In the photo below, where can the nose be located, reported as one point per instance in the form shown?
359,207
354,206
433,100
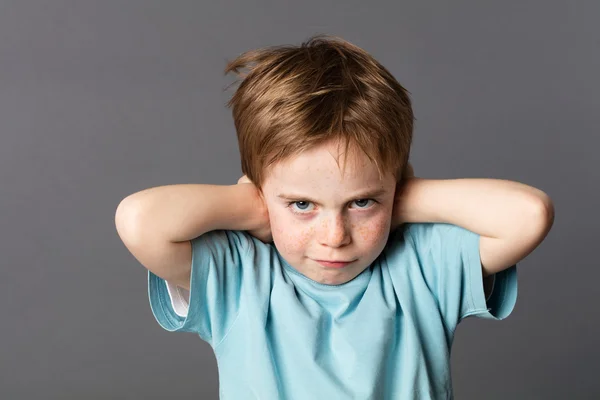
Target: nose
334,232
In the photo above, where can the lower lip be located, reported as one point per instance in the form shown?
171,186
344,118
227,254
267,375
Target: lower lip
333,264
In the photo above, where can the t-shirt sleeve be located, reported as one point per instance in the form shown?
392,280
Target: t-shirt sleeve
452,265
222,261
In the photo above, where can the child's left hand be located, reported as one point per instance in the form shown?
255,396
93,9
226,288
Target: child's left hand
407,175
408,172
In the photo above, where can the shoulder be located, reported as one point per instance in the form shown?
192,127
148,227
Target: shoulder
428,234
235,248
430,241
222,239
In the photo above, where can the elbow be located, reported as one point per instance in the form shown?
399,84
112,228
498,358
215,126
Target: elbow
126,218
543,214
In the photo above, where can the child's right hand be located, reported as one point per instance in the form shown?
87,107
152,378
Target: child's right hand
263,231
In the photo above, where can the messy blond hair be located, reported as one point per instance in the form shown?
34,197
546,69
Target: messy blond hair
297,97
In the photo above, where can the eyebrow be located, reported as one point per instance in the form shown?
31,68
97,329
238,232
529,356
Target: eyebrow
362,195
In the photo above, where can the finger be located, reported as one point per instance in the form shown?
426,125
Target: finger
244,179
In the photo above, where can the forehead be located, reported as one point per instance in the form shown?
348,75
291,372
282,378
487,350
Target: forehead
324,165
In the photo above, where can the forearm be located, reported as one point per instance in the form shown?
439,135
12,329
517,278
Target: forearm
490,207
183,212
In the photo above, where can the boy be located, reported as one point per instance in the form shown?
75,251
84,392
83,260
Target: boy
330,271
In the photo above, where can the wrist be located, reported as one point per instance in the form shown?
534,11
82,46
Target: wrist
250,208
412,204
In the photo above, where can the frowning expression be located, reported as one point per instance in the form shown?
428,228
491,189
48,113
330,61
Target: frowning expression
317,213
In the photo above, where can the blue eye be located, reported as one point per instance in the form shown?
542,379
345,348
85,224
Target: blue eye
361,200
304,202
302,205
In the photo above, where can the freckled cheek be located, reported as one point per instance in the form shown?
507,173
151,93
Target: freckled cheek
373,231
291,236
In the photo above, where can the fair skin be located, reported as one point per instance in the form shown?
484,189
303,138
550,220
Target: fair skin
340,224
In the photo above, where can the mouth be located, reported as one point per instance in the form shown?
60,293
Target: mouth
334,264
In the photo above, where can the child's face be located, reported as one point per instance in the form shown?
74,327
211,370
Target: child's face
318,214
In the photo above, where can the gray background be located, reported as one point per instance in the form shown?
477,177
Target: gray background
102,99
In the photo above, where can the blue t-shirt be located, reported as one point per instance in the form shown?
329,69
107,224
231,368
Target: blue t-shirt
386,334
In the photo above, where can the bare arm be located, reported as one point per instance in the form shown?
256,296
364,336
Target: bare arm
157,224
512,218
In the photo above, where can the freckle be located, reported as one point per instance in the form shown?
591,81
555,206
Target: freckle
370,232
365,233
